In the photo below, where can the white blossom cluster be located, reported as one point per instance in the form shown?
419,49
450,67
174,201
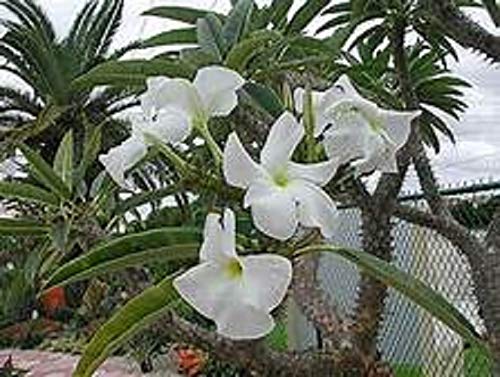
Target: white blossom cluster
239,293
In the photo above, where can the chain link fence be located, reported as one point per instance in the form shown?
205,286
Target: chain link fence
415,344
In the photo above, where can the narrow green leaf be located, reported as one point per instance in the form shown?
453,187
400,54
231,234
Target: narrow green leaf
172,37
208,32
30,193
237,22
91,149
340,20
305,15
59,233
45,173
130,73
338,8
46,118
143,198
63,161
183,14
243,52
265,98
280,9
21,227
138,248
493,8
141,311
409,286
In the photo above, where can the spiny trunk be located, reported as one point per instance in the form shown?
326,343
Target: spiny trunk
491,306
376,233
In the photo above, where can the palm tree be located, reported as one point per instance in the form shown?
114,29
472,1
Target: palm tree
42,112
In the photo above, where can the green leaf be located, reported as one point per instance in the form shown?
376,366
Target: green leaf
59,233
91,149
409,286
305,15
241,54
208,32
138,313
30,193
265,98
493,8
183,14
63,161
280,9
130,73
46,118
45,173
335,22
338,8
237,22
171,37
130,250
21,227
143,198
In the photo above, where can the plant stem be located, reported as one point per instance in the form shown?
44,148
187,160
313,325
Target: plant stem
211,143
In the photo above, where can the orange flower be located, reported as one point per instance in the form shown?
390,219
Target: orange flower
53,300
190,362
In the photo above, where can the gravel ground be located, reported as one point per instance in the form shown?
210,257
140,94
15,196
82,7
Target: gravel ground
47,364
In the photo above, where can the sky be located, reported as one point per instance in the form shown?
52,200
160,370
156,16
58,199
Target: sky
475,156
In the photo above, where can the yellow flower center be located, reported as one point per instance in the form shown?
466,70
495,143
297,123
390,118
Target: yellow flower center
234,269
281,178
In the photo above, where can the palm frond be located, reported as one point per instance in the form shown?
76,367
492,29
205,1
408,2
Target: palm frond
23,100
31,15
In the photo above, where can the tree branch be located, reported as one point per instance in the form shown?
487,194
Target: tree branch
454,23
450,229
255,356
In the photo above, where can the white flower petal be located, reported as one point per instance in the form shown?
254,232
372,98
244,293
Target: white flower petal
122,158
174,93
208,290
267,278
204,287
383,160
219,237
239,168
257,191
316,208
217,88
298,99
275,215
168,125
320,173
239,322
344,86
398,125
149,100
284,137
347,139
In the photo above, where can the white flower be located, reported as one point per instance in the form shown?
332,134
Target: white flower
124,157
357,129
212,93
282,193
171,108
237,293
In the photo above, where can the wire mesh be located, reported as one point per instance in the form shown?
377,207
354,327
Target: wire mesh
410,340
